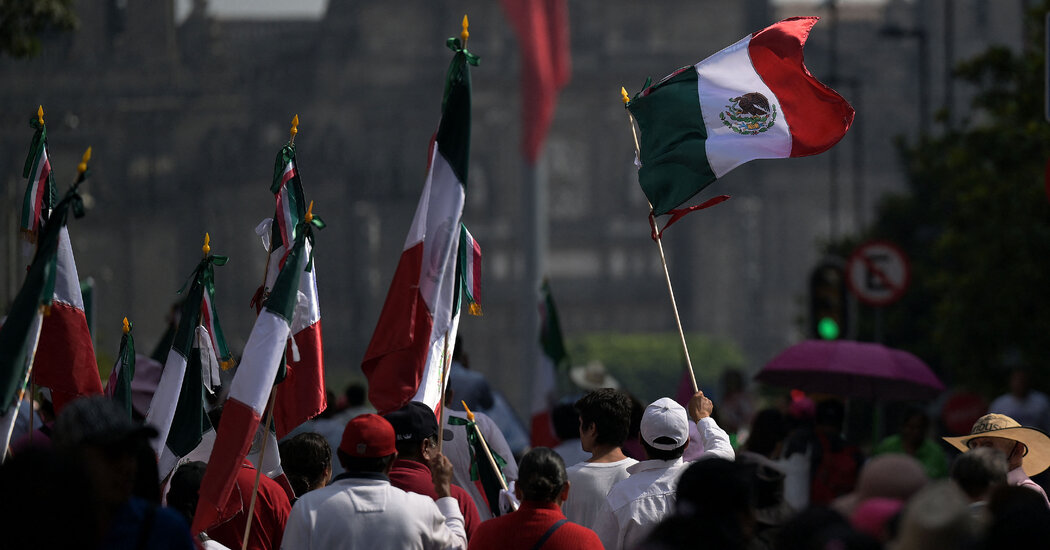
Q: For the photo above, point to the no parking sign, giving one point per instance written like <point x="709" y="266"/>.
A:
<point x="878" y="273"/>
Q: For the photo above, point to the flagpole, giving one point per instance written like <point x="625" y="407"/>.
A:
<point x="445" y="365"/>
<point x="258" y="469"/>
<point x="38" y="321"/>
<point x="663" y="259"/>
<point x="485" y="447"/>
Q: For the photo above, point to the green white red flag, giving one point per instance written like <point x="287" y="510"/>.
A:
<point x="470" y="271"/>
<point x="416" y="333"/>
<point x="118" y="388"/>
<point x="544" y="381"/>
<point x="40" y="182"/>
<point x="250" y="390"/>
<point x="177" y="410"/>
<point x="300" y="394"/>
<point x="753" y="100"/>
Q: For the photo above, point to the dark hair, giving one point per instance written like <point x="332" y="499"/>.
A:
<point x="609" y="411"/>
<point x="767" y="429"/>
<point x="566" y="421"/>
<point x="978" y="470"/>
<point x="716" y="487"/>
<point x="830" y="412"/>
<point x="360" y="464"/>
<point x="541" y="475"/>
<point x="411" y="449"/>
<point x="355" y="394"/>
<point x="659" y="454"/>
<point x="185" y="487"/>
<point x="305" y="458"/>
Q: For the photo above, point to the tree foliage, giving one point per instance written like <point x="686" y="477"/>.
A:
<point x="976" y="225"/>
<point x="22" y="22"/>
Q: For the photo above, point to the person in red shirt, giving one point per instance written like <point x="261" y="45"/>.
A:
<point x="416" y="429"/>
<point x="542" y="487"/>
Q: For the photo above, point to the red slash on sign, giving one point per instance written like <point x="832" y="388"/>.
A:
<point x="878" y="273"/>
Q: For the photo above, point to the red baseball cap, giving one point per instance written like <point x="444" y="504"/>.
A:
<point x="368" y="436"/>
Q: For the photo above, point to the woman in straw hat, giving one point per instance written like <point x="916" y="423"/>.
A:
<point x="1027" y="450"/>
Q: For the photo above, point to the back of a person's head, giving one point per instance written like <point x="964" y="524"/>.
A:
<point x="1019" y="518"/>
<point x="831" y="413"/>
<point x="979" y="470"/>
<point x="768" y="429"/>
<point x="609" y="411"/>
<point x="716" y="487"/>
<point x="937" y="517"/>
<point x="355" y="394"/>
<point x="306" y="459"/>
<point x="184" y="489"/>
<point x="541" y="475"/>
<point x="566" y="421"/>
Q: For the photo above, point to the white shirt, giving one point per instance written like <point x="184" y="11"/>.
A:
<point x="458" y="452"/>
<point x="368" y="512"/>
<point x="589" y="483"/>
<point x="635" y="505"/>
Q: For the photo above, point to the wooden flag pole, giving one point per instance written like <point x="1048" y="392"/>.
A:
<point x="485" y="446"/>
<point x="38" y="322"/>
<point x="446" y="363"/>
<point x="663" y="258"/>
<point x="258" y="469"/>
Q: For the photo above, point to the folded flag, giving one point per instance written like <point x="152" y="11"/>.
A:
<point x="553" y="357"/>
<point x="40" y="182"/>
<point x="118" y="388"/>
<point x="753" y="100"/>
<point x="469" y="271"/>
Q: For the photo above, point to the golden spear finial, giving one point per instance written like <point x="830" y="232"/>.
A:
<point x="127" y="326"/>
<point x="465" y="34"/>
<point x="40" y="114"/>
<point x="294" y="130"/>
<point x="82" y="167"/>
<point x="470" y="415"/>
<point x="309" y="213"/>
<point x="206" y="249"/>
<point x="626" y="98"/>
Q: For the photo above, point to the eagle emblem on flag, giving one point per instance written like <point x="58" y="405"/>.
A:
<point x="749" y="114"/>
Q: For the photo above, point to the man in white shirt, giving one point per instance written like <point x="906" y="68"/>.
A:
<point x="605" y="419"/>
<point x="360" y="509"/>
<point x="1027" y="450"/>
<point x="635" y="505"/>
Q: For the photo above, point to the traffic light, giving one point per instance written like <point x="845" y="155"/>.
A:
<point x="828" y="302"/>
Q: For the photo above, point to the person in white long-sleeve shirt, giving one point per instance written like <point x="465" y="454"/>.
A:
<point x="360" y="509"/>
<point x="635" y="505"/>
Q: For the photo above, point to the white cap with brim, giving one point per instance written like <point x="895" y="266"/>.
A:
<point x="665" y="418"/>
<point x="1036" y="459"/>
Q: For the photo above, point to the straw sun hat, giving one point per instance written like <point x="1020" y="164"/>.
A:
<point x="1037" y="443"/>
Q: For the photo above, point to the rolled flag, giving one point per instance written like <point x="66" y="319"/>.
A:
<point x="118" y="388"/>
<point x="553" y="357"/>
<point x="486" y="474"/>
<point x="470" y="271"/>
<point x="40" y="183"/>
<point x="209" y="319"/>
<point x="416" y="333"/>
<point x="250" y="392"/>
<point x="177" y="410"/>
<point x="753" y="100"/>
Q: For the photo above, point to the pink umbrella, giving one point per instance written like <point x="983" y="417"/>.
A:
<point x="852" y="369"/>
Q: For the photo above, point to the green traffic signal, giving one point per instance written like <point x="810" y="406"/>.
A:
<point x="828" y="329"/>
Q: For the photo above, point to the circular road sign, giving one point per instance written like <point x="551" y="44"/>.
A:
<point x="878" y="273"/>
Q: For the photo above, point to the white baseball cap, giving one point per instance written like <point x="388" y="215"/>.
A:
<point x="665" y="418"/>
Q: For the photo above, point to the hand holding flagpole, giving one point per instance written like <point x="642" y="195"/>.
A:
<point x="659" y="243"/>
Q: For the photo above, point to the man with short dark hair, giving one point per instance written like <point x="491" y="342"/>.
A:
<point x="605" y="419"/>
<point x="360" y="509"/>
<point x="416" y="436"/>
<point x="977" y="472"/>
<point x="635" y="505"/>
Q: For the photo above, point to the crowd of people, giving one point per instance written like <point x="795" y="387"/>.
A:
<point x="668" y="478"/>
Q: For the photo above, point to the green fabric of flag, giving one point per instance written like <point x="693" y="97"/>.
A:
<point x="125" y="372"/>
<point x="490" y="483"/>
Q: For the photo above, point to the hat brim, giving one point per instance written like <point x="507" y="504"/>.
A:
<point x="1035" y="462"/>
<point x="578" y="375"/>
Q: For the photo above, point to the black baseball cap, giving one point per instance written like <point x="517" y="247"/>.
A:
<point x="415" y="422"/>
